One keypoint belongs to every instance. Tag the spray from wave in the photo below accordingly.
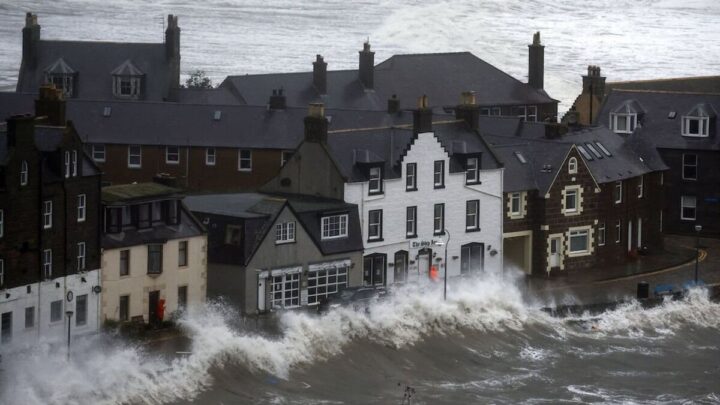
(117, 373)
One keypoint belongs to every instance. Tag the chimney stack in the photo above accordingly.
(536, 63)
(393, 105)
(422, 117)
(367, 66)
(468, 110)
(51, 104)
(593, 82)
(172, 54)
(554, 130)
(277, 100)
(320, 74)
(316, 125)
(31, 39)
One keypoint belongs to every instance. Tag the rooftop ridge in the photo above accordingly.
(64, 41)
(665, 80)
(690, 93)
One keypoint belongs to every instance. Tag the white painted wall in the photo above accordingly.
(41, 295)
(395, 199)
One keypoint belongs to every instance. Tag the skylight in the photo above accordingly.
(672, 115)
(593, 150)
(603, 149)
(107, 111)
(520, 157)
(585, 153)
(217, 115)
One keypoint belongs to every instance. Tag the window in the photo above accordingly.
(439, 174)
(532, 113)
(245, 160)
(594, 151)
(374, 269)
(134, 156)
(29, 317)
(81, 310)
(572, 165)
(285, 232)
(375, 181)
(157, 211)
(113, 217)
(124, 308)
(74, 163)
(81, 204)
(472, 215)
(641, 186)
(285, 157)
(484, 111)
(210, 156)
(173, 216)
(603, 149)
(617, 192)
(515, 204)
(375, 224)
(56, 311)
(183, 253)
(98, 153)
(618, 231)
(6, 327)
(67, 164)
(579, 241)
(154, 264)
(172, 155)
(688, 206)
(2, 223)
(124, 263)
(520, 157)
(2, 273)
(472, 174)
(690, 163)
(233, 235)
(623, 123)
(285, 290)
(334, 226)
(47, 263)
(411, 176)
(126, 86)
(323, 283)
(695, 126)
(521, 112)
(62, 82)
(439, 219)
(571, 200)
(47, 214)
(411, 222)
(24, 173)
(601, 234)
(143, 213)
(182, 297)
(472, 258)
(584, 152)
(81, 256)
(496, 111)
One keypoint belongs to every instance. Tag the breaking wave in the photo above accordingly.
(111, 373)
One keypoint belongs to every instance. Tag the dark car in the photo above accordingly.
(353, 297)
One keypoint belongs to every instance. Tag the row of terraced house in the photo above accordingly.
(141, 197)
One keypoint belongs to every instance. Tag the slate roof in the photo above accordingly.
(441, 76)
(136, 192)
(700, 84)
(233, 205)
(220, 96)
(94, 63)
(388, 146)
(159, 233)
(655, 124)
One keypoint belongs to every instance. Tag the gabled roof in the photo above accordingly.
(127, 68)
(659, 126)
(59, 68)
(629, 107)
(441, 76)
(94, 63)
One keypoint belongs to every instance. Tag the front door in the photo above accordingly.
(424, 260)
(555, 253)
(154, 301)
(401, 266)
(374, 270)
(6, 327)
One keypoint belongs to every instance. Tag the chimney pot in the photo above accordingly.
(468, 98)
(316, 110)
(468, 110)
(277, 100)
(422, 117)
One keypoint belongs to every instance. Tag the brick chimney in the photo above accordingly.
(20, 131)
(422, 117)
(594, 82)
(31, 41)
(51, 104)
(536, 63)
(320, 74)
(393, 105)
(277, 100)
(366, 72)
(468, 110)
(316, 125)
(172, 54)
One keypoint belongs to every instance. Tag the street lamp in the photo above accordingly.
(698, 228)
(441, 243)
(69, 317)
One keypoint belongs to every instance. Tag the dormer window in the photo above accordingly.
(697, 122)
(375, 181)
(62, 76)
(624, 118)
(127, 81)
(572, 166)
(472, 171)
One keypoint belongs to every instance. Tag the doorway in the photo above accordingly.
(153, 307)
(424, 262)
(555, 251)
(374, 269)
(401, 266)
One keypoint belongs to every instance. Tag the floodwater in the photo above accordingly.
(487, 344)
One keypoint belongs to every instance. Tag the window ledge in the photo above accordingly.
(411, 189)
(571, 213)
(411, 236)
(284, 242)
(468, 230)
(373, 193)
(579, 254)
(473, 183)
(438, 233)
(375, 240)
(436, 187)
(154, 275)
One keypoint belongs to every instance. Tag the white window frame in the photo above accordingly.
(641, 187)
(472, 220)
(522, 112)
(439, 219)
(497, 111)
(23, 173)
(172, 158)
(375, 181)
(411, 221)
(572, 165)
(98, 152)
(411, 177)
(439, 176)
(703, 126)
(67, 164)
(601, 234)
(62, 82)
(59, 318)
(74, 163)
(47, 264)
(81, 207)
(579, 232)
(242, 160)
(685, 164)
(472, 171)
(683, 205)
(531, 113)
(517, 196)
(47, 214)
(2, 223)
(618, 190)
(322, 279)
(327, 225)
(210, 156)
(279, 284)
(81, 256)
(375, 225)
(631, 123)
(134, 84)
(285, 232)
(285, 157)
(2, 273)
(576, 191)
(618, 231)
(132, 155)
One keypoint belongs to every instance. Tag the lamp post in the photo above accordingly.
(698, 228)
(441, 243)
(69, 317)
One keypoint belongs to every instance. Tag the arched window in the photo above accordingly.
(572, 165)
(24, 173)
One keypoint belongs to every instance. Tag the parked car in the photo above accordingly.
(353, 297)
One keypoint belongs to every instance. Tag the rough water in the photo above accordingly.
(629, 39)
(485, 344)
